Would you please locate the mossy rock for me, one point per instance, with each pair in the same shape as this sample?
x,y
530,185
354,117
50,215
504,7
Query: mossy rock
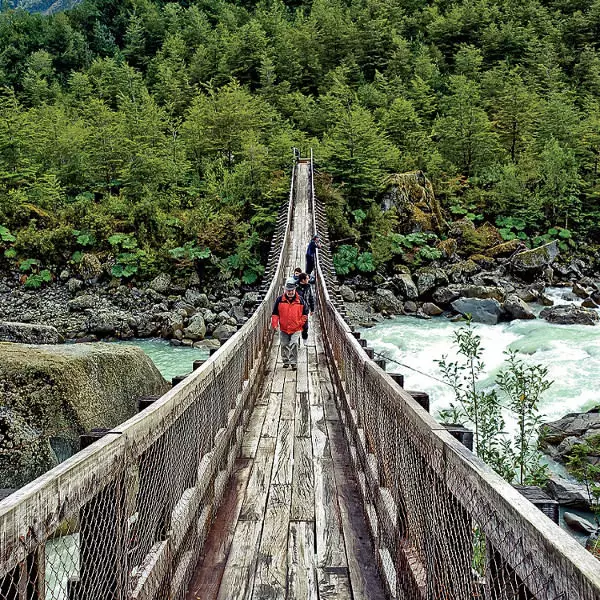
x,y
448,247
475,240
504,249
62,391
411,194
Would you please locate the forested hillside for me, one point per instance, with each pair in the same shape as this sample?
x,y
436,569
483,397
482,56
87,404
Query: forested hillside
x,y
158,134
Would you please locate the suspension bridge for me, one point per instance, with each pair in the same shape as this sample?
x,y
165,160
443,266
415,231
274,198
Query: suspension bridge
x,y
248,481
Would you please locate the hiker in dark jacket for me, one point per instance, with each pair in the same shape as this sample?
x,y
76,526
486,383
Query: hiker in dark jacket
x,y
311,253
306,293
289,315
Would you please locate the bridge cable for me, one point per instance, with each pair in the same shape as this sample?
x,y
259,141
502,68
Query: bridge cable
x,y
411,368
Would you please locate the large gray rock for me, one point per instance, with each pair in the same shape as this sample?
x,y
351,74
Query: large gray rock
x,y
62,391
429,278
431,309
224,331
445,295
578,523
530,261
347,293
571,425
406,286
462,271
486,311
196,330
517,308
29,333
161,283
83,302
385,301
567,493
107,323
568,314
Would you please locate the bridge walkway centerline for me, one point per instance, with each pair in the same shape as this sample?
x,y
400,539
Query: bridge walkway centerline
x,y
291,524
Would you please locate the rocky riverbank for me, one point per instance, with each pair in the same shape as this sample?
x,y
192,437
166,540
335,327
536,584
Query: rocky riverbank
x,y
491,287
89,312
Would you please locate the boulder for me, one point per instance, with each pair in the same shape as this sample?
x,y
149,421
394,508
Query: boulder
x,y
445,295
248,301
567,493
83,302
74,285
410,307
536,260
486,311
196,330
462,271
517,308
589,303
208,344
447,247
431,309
223,332
347,293
52,394
405,286
161,283
90,267
505,249
429,278
29,333
385,301
107,323
580,291
196,299
567,314
577,523
571,425
483,292
170,323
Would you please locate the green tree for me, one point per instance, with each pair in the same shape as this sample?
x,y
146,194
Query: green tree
x,y
465,133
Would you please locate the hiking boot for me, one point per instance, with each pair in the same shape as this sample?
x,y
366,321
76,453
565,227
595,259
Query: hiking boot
x,y
285,365
293,367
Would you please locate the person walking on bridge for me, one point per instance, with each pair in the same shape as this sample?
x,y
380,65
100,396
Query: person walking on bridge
x,y
311,253
308,297
289,315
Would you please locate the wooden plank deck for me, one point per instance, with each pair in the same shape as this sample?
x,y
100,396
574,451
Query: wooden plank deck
x,y
291,525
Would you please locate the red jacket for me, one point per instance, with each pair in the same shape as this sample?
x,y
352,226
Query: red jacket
x,y
289,315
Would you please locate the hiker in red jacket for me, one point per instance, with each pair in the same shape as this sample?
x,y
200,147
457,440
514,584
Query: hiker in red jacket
x,y
289,314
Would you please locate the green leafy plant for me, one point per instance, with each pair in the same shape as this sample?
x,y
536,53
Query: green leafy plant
x,y
6,235
36,280
523,386
29,264
364,262
511,228
189,252
473,404
84,238
565,238
129,256
344,260
245,262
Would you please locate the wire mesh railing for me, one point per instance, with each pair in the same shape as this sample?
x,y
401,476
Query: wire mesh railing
x,y
444,526
126,518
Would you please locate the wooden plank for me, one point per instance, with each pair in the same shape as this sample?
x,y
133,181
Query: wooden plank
x,y
333,585
253,431
270,581
302,580
278,379
302,415
271,424
302,374
255,499
237,582
319,437
303,499
330,540
288,403
314,388
364,577
284,453
312,356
